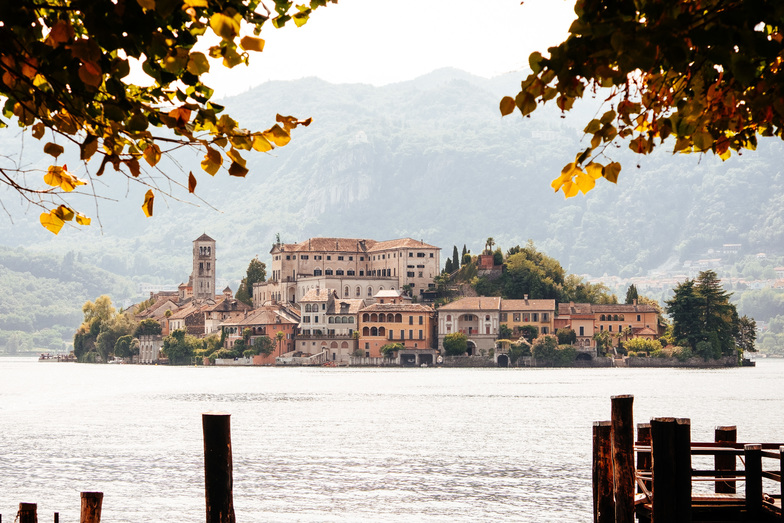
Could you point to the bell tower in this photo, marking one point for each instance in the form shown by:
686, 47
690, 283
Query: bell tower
203, 275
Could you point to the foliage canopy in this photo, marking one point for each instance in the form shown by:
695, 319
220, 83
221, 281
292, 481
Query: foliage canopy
707, 73
64, 69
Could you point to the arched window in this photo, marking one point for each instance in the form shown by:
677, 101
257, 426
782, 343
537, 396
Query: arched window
615, 317
398, 318
382, 331
448, 317
373, 331
345, 292
345, 319
374, 317
328, 272
382, 317
339, 272
621, 317
344, 345
366, 317
331, 319
370, 291
365, 331
316, 272
359, 291
487, 317
351, 319
381, 288
334, 345
601, 318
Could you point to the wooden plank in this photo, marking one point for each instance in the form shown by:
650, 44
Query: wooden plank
603, 500
643, 457
723, 435
218, 474
622, 436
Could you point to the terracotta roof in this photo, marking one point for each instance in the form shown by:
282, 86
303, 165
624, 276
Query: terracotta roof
350, 245
318, 295
187, 310
204, 238
474, 304
397, 307
623, 308
227, 289
353, 306
263, 316
228, 305
645, 331
402, 243
526, 305
574, 308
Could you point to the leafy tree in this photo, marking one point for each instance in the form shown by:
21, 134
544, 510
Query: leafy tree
180, 347
529, 332
448, 266
455, 258
566, 336
517, 351
123, 348
463, 256
708, 74
263, 345
684, 310
279, 336
579, 291
147, 327
604, 341
543, 348
504, 332
489, 244
388, 349
455, 344
64, 70
256, 273
531, 272
631, 294
111, 331
746, 334
642, 345
498, 257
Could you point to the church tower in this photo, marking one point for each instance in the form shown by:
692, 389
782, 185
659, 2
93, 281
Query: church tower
203, 275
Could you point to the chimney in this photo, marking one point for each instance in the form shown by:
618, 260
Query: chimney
635, 302
525, 297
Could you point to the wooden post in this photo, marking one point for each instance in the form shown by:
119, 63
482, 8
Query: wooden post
663, 469
28, 513
56, 517
753, 455
723, 435
91, 507
623, 457
218, 476
603, 501
781, 476
683, 470
644, 458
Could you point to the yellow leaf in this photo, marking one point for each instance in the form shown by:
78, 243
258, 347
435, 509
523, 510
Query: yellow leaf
234, 154
507, 105
224, 26
584, 182
196, 3
702, 141
149, 198
64, 213
525, 102
53, 149
251, 43
236, 169
570, 189
594, 170
726, 154
191, 182
88, 147
212, 161
53, 176
277, 135
69, 182
81, 219
51, 222
261, 144
682, 145
300, 19
147, 5
612, 171
198, 64
152, 153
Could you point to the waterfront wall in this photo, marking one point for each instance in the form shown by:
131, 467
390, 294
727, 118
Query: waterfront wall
727, 361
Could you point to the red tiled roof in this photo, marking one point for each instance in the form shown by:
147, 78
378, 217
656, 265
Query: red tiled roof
350, 245
397, 307
527, 305
474, 304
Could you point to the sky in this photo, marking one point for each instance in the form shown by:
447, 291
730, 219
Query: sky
386, 41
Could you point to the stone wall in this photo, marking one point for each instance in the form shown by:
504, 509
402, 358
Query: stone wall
727, 361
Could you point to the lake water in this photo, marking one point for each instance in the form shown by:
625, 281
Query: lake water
343, 444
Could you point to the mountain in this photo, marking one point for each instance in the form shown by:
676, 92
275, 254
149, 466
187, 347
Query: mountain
431, 159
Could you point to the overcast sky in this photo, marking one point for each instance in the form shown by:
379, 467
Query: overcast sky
386, 41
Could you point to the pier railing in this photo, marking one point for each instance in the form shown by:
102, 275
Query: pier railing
654, 478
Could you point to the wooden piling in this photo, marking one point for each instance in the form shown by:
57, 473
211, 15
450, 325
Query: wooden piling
56, 517
218, 477
663, 470
724, 435
683, 470
753, 458
91, 507
603, 501
622, 436
781, 478
28, 513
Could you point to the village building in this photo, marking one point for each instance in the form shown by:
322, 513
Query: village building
328, 325
203, 275
149, 348
267, 320
476, 317
516, 314
394, 319
355, 268
623, 321
215, 313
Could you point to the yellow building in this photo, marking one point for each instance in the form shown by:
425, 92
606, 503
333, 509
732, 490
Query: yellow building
394, 319
537, 313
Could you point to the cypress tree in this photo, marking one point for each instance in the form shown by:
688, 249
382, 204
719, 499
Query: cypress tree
455, 259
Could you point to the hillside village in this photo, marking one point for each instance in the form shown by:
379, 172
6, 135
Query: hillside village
343, 301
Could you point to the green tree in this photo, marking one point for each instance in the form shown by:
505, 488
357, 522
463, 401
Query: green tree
498, 257
684, 310
280, 336
641, 345
529, 332
463, 256
147, 327
566, 336
531, 272
631, 294
123, 348
112, 330
65, 73
256, 273
263, 345
746, 334
705, 74
448, 266
455, 344
719, 316
604, 342
390, 348
504, 332
180, 347
489, 244
543, 349
455, 258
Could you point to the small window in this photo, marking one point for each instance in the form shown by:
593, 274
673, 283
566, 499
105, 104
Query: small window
410, 320
340, 258
329, 257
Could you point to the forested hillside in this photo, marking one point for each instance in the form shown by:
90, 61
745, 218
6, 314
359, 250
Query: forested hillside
431, 159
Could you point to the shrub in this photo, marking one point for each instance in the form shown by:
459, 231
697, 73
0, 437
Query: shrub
455, 344
707, 350
683, 353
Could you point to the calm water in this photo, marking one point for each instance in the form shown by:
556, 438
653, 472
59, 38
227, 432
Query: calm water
433, 445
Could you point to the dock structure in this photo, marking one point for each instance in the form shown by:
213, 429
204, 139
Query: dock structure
658, 486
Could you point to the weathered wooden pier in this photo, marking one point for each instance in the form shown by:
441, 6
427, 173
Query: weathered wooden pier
651, 479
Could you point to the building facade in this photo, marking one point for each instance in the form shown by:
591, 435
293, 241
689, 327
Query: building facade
394, 319
203, 275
